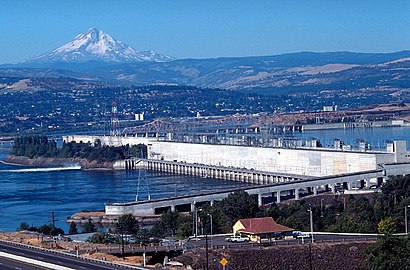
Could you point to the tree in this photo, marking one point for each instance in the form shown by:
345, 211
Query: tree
295, 215
89, 227
237, 205
272, 211
127, 224
24, 226
45, 229
389, 252
184, 226
100, 238
169, 222
387, 226
73, 228
49, 229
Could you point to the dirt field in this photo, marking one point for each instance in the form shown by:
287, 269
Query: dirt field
346, 256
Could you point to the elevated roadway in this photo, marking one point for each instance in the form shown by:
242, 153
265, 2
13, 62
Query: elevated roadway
294, 188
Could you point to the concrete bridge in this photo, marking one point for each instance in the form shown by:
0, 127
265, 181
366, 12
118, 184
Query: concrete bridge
278, 189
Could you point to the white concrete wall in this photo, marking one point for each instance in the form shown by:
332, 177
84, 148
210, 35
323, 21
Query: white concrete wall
312, 162
297, 161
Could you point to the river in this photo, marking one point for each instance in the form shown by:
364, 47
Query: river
31, 194
377, 137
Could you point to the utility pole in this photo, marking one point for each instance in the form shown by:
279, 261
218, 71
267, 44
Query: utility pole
53, 219
406, 219
206, 250
196, 223
122, 239
311, 221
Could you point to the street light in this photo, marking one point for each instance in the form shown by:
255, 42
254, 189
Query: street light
193, 219
405, 219
321, 207
311, 221
196, 222
210, 216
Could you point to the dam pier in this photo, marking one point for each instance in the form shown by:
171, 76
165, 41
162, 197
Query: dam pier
250, 176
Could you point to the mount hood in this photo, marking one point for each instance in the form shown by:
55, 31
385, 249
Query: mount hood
95, 45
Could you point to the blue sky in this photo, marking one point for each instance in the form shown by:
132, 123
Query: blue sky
207, 28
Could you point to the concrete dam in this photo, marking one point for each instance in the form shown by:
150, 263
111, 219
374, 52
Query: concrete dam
279, 171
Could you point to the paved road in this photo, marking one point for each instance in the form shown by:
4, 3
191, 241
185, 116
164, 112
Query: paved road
220, 241
7, 264
61, 260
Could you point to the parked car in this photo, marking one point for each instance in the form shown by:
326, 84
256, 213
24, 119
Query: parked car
237, 238
298, 234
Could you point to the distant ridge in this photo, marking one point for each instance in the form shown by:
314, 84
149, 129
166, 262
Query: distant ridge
272, 74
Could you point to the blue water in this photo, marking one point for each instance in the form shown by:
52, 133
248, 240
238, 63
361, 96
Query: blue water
377, 137
31, 195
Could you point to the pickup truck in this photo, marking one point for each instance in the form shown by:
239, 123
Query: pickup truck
237, 238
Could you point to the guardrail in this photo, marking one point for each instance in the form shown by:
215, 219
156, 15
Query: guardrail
132, 249
84, 258
292, 243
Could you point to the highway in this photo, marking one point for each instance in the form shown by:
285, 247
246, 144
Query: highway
16, 265
28, 259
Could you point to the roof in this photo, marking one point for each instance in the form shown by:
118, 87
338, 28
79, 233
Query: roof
262, 225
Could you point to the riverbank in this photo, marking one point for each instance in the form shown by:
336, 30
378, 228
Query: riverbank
54, 162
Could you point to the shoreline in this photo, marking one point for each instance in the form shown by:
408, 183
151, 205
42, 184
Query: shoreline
22, 161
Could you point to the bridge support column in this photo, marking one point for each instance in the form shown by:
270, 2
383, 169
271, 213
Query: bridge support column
367, 181
314, 191
192, 207
278, 197
172, 208
259, 199
332, 188
349, 185
296, 194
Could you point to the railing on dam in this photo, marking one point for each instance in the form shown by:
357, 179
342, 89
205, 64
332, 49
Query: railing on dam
218, 172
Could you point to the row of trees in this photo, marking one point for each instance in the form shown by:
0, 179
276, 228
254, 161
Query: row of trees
46, 229
378, 213
40, 146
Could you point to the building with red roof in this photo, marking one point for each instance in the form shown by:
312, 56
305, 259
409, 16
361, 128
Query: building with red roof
261, 228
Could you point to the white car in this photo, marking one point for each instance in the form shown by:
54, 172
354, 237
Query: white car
237, 238
299, 234
303, 235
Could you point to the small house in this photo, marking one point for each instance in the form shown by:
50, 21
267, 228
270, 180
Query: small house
258, 229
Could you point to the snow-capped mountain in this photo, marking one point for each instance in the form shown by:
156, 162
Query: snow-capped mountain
95, 45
